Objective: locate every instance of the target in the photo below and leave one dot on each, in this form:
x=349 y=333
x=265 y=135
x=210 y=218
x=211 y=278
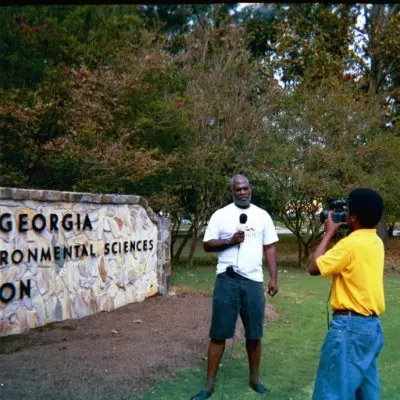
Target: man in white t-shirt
x=241 y=233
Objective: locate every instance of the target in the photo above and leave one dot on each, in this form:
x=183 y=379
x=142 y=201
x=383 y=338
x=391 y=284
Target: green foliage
x=301 y=39
x=261 y=32
x=315 y=150
x=157 y=110
x=169 y=101
x=36 y=41
x=380 y=162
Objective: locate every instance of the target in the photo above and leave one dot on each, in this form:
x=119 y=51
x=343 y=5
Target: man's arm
x=215 y=245
x=270 y=257
x=330 y=230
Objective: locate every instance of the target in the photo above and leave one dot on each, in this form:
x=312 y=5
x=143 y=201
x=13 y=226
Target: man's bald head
x=241 y=190
x=238 y=177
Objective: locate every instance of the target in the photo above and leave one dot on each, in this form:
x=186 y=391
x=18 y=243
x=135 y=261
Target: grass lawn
x=291 y=343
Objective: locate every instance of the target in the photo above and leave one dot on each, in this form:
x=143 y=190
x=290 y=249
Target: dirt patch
x=109 y=355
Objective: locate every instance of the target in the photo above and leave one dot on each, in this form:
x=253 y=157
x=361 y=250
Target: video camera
x=338 y=206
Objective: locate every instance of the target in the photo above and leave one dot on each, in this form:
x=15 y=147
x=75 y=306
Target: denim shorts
x=347 y=368
x=234 y=295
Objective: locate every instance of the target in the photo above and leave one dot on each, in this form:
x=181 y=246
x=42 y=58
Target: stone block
x=79 y=308
x=102 y=269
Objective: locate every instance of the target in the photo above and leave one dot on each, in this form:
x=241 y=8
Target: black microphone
x=241 y=228
x=242 y=221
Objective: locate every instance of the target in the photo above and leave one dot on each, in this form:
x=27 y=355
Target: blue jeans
x=347 y=368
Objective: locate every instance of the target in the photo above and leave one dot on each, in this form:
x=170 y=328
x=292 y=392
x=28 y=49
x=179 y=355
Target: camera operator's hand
x=331 y=227
x=237 y=237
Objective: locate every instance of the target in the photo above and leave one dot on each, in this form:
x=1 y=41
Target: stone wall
x=67 y=255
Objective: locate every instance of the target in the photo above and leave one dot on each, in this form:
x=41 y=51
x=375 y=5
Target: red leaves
x=19 y=18
x=35 y=29
x=347 y=77
x=79 y=75
x=24 y=26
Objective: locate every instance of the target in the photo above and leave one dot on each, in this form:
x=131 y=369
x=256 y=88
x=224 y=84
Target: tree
x=29 y=125
x=316 y=144
x=226 y=99
x=101 y=129
x=46 y=54
x=37 y=41
x=124 y=121
x=378 y=43
x=379 y=161
x=298 y=39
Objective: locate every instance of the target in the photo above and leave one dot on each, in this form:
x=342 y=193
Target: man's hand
x=272 y=288
x=237 y=237
x=270 y=257
x=331 y=227
x=215 y=245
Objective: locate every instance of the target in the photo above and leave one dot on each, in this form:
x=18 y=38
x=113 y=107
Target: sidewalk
x=283 y=231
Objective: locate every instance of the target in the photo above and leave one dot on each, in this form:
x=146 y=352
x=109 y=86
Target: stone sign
x=67 y=255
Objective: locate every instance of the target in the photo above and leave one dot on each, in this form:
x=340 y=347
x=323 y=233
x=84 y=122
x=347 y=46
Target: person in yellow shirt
x=347 y=368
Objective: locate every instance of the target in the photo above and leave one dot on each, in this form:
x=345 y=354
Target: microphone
x=241 y=228
x=242 y=221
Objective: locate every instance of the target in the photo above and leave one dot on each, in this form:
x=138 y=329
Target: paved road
x=285 y=231
x=282 y=231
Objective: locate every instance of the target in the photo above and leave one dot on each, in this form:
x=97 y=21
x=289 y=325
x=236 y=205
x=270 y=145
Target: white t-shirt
x=259 y=231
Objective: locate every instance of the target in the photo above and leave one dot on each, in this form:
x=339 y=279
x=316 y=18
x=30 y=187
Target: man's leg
x=253 y=348
x=347 y=357
x=223 y=321
x=252 y=313
x=332 y=373
x=215 y=351
x=370 y=388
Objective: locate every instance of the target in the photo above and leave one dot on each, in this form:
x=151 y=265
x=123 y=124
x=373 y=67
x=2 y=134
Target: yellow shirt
x=356 y=265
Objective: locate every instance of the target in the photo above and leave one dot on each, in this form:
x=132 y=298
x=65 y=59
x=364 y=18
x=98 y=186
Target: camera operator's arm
x=330 y=228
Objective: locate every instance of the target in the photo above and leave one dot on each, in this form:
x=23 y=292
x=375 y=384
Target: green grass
x=291 y=343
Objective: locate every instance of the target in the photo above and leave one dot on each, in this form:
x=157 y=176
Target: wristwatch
x=228 y=241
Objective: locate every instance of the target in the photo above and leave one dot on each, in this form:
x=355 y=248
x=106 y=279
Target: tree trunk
x=382 y=232
x=306 y=256
x=376 y=72
x=299 y=251
x=193 y=247
x=176 y=257
x=174 y=231
x=303 y=253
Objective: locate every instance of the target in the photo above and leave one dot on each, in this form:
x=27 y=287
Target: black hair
x=367 y=205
